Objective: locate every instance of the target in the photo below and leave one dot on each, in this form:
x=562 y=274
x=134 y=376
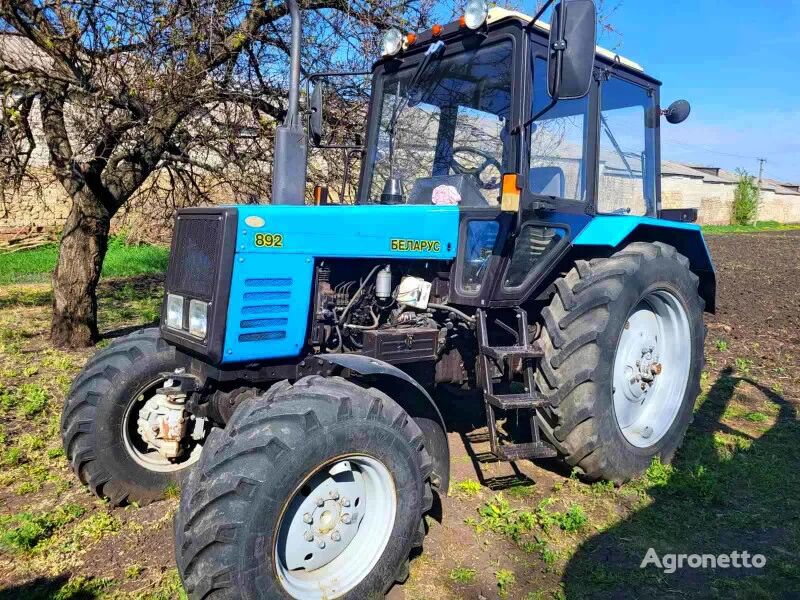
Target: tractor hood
x=251 y=268
x=360 y=231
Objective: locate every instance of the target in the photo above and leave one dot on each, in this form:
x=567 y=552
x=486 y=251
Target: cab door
x=557 y=168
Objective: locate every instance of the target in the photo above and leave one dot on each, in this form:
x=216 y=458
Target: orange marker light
x=462 y=22
x=436 y=30
x=411 y=38
x=320 y=195
x=511 y=193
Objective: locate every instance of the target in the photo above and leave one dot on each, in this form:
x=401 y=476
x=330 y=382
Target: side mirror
x=315 y=118
x=678 y=111
x=573 y=37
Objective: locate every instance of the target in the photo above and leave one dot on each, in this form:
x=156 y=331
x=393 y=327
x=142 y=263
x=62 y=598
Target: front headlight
x=198 y=318
x=475 y=13
x=174 y=311
x=392 y=42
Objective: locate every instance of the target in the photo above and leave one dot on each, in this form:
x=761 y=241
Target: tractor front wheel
x=100 y=423
x=314 y=490
x=623 y=343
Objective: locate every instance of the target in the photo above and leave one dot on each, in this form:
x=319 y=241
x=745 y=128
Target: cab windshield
x=452 y=141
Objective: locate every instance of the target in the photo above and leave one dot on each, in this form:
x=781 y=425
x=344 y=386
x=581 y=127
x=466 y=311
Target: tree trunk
x=80 y=259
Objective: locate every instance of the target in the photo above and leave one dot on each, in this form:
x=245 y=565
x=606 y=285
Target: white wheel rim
x=335 y=527
x=651 y=368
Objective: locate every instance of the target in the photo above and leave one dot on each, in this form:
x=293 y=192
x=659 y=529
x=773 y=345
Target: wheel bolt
x=334 y=494
x=345 y=501
x=309 y=537
x=320 y=544
x=307 y=518
x=346 y=519
x=335 y=536
x=320 y=501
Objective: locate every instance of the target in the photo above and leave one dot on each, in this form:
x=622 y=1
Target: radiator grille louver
x=274 y=326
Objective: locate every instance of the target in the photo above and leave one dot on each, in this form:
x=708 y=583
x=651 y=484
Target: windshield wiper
x=617 y=147
x=393 y=188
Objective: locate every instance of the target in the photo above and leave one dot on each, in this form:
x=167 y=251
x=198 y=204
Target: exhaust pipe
x=289 y=164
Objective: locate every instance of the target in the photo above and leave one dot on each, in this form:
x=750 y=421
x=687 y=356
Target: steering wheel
x=475 y=172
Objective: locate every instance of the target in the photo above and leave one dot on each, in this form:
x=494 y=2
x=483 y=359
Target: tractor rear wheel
x=623 y=343
x=313 y=490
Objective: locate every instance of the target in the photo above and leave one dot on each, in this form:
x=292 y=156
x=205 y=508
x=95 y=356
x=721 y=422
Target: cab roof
x=497 y=14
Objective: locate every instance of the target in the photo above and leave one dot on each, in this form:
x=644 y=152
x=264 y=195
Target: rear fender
x=618 y=231
x=415 y=400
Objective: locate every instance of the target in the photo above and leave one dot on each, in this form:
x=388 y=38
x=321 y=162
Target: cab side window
x=481 y=239
x=627 y=149
x=557 y=142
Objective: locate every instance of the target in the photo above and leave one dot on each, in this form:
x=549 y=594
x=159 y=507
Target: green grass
x=760 y=226
x=36 y=265
x=505 y=579
x=468 y=487
x=463 y=575
x=24 y=531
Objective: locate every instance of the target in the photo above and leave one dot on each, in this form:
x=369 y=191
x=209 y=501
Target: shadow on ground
x=464 y=414
x=727 y=492
x=42 y=588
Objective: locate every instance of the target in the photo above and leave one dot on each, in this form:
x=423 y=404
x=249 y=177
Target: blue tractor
x=507 y=247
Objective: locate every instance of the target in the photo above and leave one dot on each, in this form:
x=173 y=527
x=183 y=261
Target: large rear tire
x=623 y=343
x=314 y=490
x=98 y=423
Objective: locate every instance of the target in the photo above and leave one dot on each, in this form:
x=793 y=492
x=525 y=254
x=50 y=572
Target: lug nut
x=320 y=544
x=345 y=502
x=309 y=537
x=320 y=501
x=656 y=369
x=307 y=518
x=346 y=519
x=335 y=536
x=334 y=494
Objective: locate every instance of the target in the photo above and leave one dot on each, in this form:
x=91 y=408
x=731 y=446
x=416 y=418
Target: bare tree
x=154 y=98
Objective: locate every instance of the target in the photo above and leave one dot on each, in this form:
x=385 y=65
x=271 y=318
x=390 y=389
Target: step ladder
x=529 y=400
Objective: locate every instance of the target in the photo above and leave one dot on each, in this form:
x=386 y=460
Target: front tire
x=613 y=411
x=98 y=423
x=272 y=509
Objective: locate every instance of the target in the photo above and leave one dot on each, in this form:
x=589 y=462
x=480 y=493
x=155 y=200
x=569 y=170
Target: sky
x=738 y=63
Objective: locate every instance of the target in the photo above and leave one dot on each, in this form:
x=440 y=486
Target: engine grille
x=200 y=264
x=195 y=260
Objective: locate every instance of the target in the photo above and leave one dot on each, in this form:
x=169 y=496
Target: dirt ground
x=506 y=530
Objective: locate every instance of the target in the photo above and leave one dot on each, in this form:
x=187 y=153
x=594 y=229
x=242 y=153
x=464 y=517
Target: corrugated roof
x=711 y=174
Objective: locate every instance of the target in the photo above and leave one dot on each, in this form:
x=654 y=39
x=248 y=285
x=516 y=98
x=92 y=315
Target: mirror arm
x=539 y=14
x=309 y=81
x=521 y=127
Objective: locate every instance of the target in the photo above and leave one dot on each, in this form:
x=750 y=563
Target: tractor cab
x=459 y=114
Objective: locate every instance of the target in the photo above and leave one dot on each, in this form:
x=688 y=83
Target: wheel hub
x=640 y=375
x=324 y=522
x=159 y=433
